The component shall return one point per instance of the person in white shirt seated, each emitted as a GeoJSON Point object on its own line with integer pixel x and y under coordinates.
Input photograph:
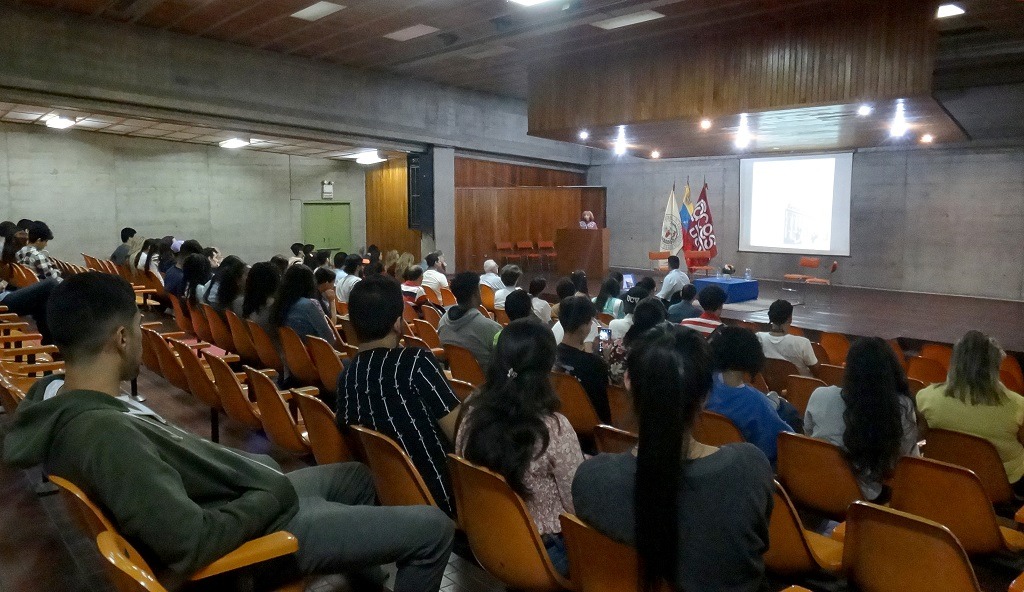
{"type": "Point", "coordinates": [491, 277]}
{"type": "Point", "coordinates": [674, 280]}
{"type": "Point", "coordinates": [541, 307]}
{"type": "Point", "coordinates": [619, 327]}
{"type": "Point", "coordinates": [433, 276]}
{"type": "Point", "coordinates": [778, 344]}
{"type": "Point", "coordinates": [343, 284]}
{"type": "Point", "coordinates": [510, 275]}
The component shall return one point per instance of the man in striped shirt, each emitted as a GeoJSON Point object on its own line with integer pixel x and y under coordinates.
{"type": "Point", "coordinates": [398, 391]}
{"type": "Point", "coordinates": [711, 299]}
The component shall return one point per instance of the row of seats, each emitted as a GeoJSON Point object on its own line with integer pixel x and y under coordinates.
{"type": "Point", "coordinates": [525, 253]}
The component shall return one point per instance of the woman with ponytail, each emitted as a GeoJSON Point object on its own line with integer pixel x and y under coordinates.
{"type": "Point", "coordinates": [697, 514]}
{"type": "Point", "coordinates": [512, 426]}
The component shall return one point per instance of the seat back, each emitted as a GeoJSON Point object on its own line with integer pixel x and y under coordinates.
{"type": "Point", "coordinates": [126, 568]}
{"type": "Point", "coordinates": [87, 516]}
{"type": "Point", "coordinates": [234, 399]}
{"type": "Point", "coordinates": [926, 370]}
{"type": "Point", "coordinates": [915, 385]}
{"type": "Point", "coordinates": [218, 328]}
{"type": "Point", "coordinates": [974, 453]}
{"type": "Point", "coordinates": [265, 348]}
{"type": "Point", "coordinates": [500, 529]}
{"type": "Point", "coordinates": [939, 352]}
{"type": "Point", "coordinates": [149, 357]}
{"type": "Point", "coordinates": [897, 349]}
{"type": "Point", "coordinates": [776, 373]}
{"type": "Point", "coordinates": [461, 388]}
{"type": "Point", "coordinates": [327, 442]}
{"type": "Point", "coordinates": [810, 262]}
{"type": "Point", "coordinates": [327, 361]}
{"type": "Point", "coordinates": [447, 297]}
{"type": "Point", "coordinates": [463, 365]}
{"type": "Point", "coordinates": [610, 439]}
{"type": "Point", "coordinates": [241, 339]}
{"type": "Point", "coordinates": [576, 406]}
{"type": "Point", "coordinates": [487, 296]}
{"type": "Point", "coordinates": [200, 326]}
{"type": "Point", "coordinates": [180, 318]}
{"type": "Point", "coordinates": [427, 333]}
{"type": "Point", "coordinates": [837, 346]}
{"type": "Point", "coordinates": [199, 383]}
{"type": "Point", "coordinates": [170, 366]}
{"type": "Point", "coordinates": [599, 563]}
{"type": "Point", "coordinates": [830, 374]}
{"type": "Point", "coordinates": [788, 550]}
{"type": "Point", "coordinates": [546, 244]}
{"type": "Point", "coordinates": [715, 429]}
{"type": "Point", "coordinates": [888, 550]}
{"type": "Point", "coordinates": [820, 353]}
{"type": "Point", "coordinates": [296, 357]}
{"type": "Point", "coordinates": [950, 495]}
{"type": "Point", "coordinates": [397, 481]}
{"type": "Point", "coordinates": [430, 315]}
{"type": "Point", "coordinates": [501, 317]}
{"type": "Point", "coordinates": [799, 390]}
{"type": "Point", "coordinates": [278, 422]}
{"type": "Point", "coordinates": [1011, 374]}
{"type": "Point", "coordinates": [816, 474]}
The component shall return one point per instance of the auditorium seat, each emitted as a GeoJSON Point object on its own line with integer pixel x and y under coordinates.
{"type": "Point", "coordinates": [218, 328]}
{"type": "Point", "coordinates": [430, 315]}
{"type": "Point", "coordinates": [604, 318]}
{"type": "Point", "coordinates": [396, 479]}
{"type": "Point", "coordinates": [926, 370]}
{"type": "Point", "coordinates": [898, 350]}
{"type": "Point", "coordinates": [297, 359]}
{"type": "Point", "coordinates": [241, 339]}
{"type": "Point", "coordinates": [715, 429]}
{"type": "Point", "coordinates": [576, 406]}
{"type": "Point", "coordinates": [820, 353]}
{"type": "Point", "coordinates": [180, 318]}
{"type": "Point", "coordinates": [776, 374]}
{"type": "Point", "coordinates": [282, 428]}
{"type": "Point", "coordinates": [487, 296]}
{"type": "Point", "coordinates": [234, 396]}
{"type": "Point", "coordinates": [937, 351]}
{"type": "Point", "coordinates": [837, 346]}
{"type": "Point", "coordinates": [793, 550]}
{"type": "Point", "coordinates": [1011, 375]}
{"type": "Point", "coordinates": [199, 324]}
{"type": "Point", "coordinates": [830, 374]}
{"type": "Point", "coordinates": [501, 317]}
{"type": "Point", "coordinates": [528, 252]}
{"type": "Point", "coordinates": [463, 365]}
{"type": "Point", "coordinates": [506, 253]}
{"type": "Point", "coordinates": [620, 402]}
{"type": "Point", "coordinates": [326, 360]}
{"type": "Point", "coordinates": [447, 298]}
{"type": "Point", "coordinates": [915, 385]}
{"type": "Point", "coordinates": [611, 439]}
{"type": "Point", "coordinates": [659, 259]}
{"type": "Point", "coordinates": [200, 384]}
{"type": "Point", "coordinates": [598, 563]}
{"type": "Point", "coordinates": [461, 388]}
{"type": "Point", "coordinates": [974, 453]}
{"type": "Point", "coordinates": [955, 498]}
{"type": "Point", "coordinates": [265, 348]}
{"type": "Point", "coordinates": [799, 390]}
{"type": "Point", "coordinates": [816, 475]}
{"type": "Point", "coordinates": [428, 334]}
{"type": "Point", "coordinates": [501, 532]}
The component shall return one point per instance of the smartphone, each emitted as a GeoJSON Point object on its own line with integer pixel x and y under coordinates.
{"type": "Point", "coordinates": [604, 339]}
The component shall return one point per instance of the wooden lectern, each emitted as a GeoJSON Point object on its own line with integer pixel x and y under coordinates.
{"type": "Point", "coordinates": [579, 248]}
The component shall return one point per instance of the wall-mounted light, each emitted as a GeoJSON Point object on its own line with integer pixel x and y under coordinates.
{"type": "Point", "coordinates": [927, 139]}
{"type": "Point", "coordinates": [234, 143]}
{"type": "Point", "coordinates": [369, 157]}
{"type": "Point", "coordinates": [58, 122]}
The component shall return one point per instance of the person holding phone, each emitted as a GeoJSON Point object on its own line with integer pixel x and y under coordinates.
{"type": "Point", "coordinates": [648, 313]}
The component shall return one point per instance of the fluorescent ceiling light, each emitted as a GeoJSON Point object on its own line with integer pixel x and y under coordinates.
{"type": "Point", "coordinates": [743, 136]}
{"type": "Point", "coordinates": [58, 122]}
{"type": "Point", "coordinates": [899, 122]}
{"type": "Point", "coordinates": [369, 157]}
{"type": "Point", "coordinates": [620, 142]}
{"type": "Point", "coordinates": [864, 110]}
{"type": "Point", "coordinates": [529, 2]}
{"type": "Point", "coordinates": [412, 32]}
{"type": "Point", "coordinates": [317, 11]}
{"type": "Point", "coordinates": [628, 19]}
{"type": "Point", "coordinates": [948, 10]}
{"type": "Point", "coordinates": [234, 143]}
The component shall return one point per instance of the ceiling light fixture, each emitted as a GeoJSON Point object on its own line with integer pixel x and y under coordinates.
{"type": "Point", "coordinates": [529, 2]}
{"type": "Point", "coordinates": [705, 124]}
{"type": "Point", "coordinates": [620, 142]}
{"type": "Point", "coordinates": [584, 135]}
{"type": "Point", "coordinates": [743, 136]}
{"type": "Point", "coordinates": [412, 32]}
{"type": "Point", "coordinates": [927, 139]}
{"type": "Point", "coordinates": [234, 143]}
{"type": "Point", "coordinates": [948, 10]}
{"type": "Point", "coordinates": [317, 11]}
{"type": "Point", "coordinates": [626, 20]}
{"type": "Point", "coordinates": [655, 154]}
{"type": "Point", "coordinates": [369, 157]}
{"type": "Point", "coordinates": [58, 122]}
{"type": "Point", "coordinates": [864, 110]}
{"type": "Point", "coordinates": [899, 122]}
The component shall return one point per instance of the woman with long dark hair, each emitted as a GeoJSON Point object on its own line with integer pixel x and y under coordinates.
{"type": "Point", "coordinates": [648, 313]}
{"type": "Point", "coordinates": [871, 417]}
{"type": "Point", "coordinates": [226, 288]}
{"type": "Point", "coordinates": [148, 259]}
{"type": "Point", "coordinates": [607, 300]}
{"type": "Point", "coordinates": [195, 272]}
{"type": "Point", "coordinates": [297, 305]}
{"type": "Point", "coordinates": [697, 514]}
{"type": "Point", "coordinates": [512, 426]}
{"type": "Point", "coordinates": [261, 283]}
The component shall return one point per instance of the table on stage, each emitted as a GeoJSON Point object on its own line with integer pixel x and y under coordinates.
{"type": "Point", "coordinates": [579, 248]}
{"type": "Point", "coordinates": [738, 289]}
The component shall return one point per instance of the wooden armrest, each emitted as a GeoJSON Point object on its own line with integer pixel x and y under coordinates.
{"type": "Point", "coordinates": [30, 370]}
{"type": "Point", "coordinates": [3, 308]}
{"type": "Point", "coordinates": [312, 391]}
{"type": "Point", "coordinates": [1019, 516]}
{"type": "Point", "coordinates": [199, 345]}
{"type": "Point", "coordinates": [271, 546]}
{"type": "Point", "coordinates": [13, 326]}
{"type": "Point", "coordinates": [27, 351]}
{"type": "Point", "coordinates": [231, 358]}
{"type": "Point", "coordinates": [1017, 585]}
{"type": "Point", "coordinates": [144, 291]}
{"type": "Point", "coordinates": [20, 337]}
{"type": "Point", "coordinates": [172, 334]}
{"type": "Point", "coordinates": [269, 372]}
{"type": "Point", "coordinates": [154, 325]}
{"type": "Point", "coordinates": [9, 316]}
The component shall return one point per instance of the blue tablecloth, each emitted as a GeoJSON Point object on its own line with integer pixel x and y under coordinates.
{"type": "Point", "coordinates": [738, 289]}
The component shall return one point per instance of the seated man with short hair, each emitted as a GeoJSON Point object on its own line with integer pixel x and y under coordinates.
{"type": "Point", "coordinates": [120, 254]}
{"type": "Point", "coordinates": [685, 308]}
{"type": "Point", "coordinates": [490, 276]}
{"type": "Point", "coordinates": [34, 256]}
{"type": "Point", "coordinates": [778, 344]}
{"type": "Point", "coordinates": [711, 299]}
{"type": "Point", "coordinates": [434, 277]}
{"type": "Point", "coordinates": [510, 275]}
{"type": "Point", "coordinates": [576, 318]}
{"type": "Point", "coordinates": [185, 501]}
{"type": "Point", "coordinates": [398, 391]}
{"type": "Point", "coordinates": [674, 280]}
{"type": "Point", "coordinates": [344, 283]}
{"type": "Point", "coordinates": [464, 325]}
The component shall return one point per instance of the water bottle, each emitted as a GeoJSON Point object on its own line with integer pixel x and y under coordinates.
{"type": "Point", "coordinates": [747, 275]}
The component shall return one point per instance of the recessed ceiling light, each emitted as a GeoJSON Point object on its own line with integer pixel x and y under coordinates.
{"type": "Point", "coordinates": [58, 122]}
{"type": "Point", "coordinates": [705, 124]}
{"type": "Point", "coordinates": [234, 143]}
{"type": "Point", "coordinates": [948, 10]}
{"type": "Point", "coordinates": [529, 2]}
{"type": "Point", "coordinates": [412, 32]}
{"type": "Point", "coordinates": [927, 139]}
{"type": "Point", "coordinates": [655, 154]}
{"type": "Point", "coordinates": [864, 110]}
{"type": "Point", "coordinates": [584, 135]}
{"type": "Point", "coordinates": [369, 157]}
{"type": "Point", "coordinates": [317, 11]}
{"type": "Point", "coordinates": [626, 20]}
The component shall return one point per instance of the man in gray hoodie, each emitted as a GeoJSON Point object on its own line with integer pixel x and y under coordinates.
{"type": "Point", "coordinates": [464, 325]}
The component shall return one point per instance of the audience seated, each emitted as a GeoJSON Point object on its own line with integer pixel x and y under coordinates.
{"type": "Point", "coordinates": [297, 254]}
{"type": "Point", "coordinates": [674, 280]}
{"type": "Point", "coordinates": [871, 417]}
{"type": "Point", "coordinates": [590, 369]}
{"type": "Point", "coordinates": [167, 253]}
{"type": "Point", "coordinates": [685, 308]}
{"type": "Point", "coordinates": [400, 392]}
{"type": "Point", "coordinates": [433, 276]}
{"type": "Point", "coordinates": [563, 289]}
{"type": "Point", "coordinates": [226, 287]}
{"type": "Point", "coordinates": [297, 305]}
{"type": "Point", "coordinates": [120, 254]}
{"type": "Point", "coordinates": [405, 263]}
{"type": "Point", "coordinates": [324, 278]}
{"type": "Point", "coordinates": [185, 500]}
{"type": "Point", "coordinates": [541, 307]}
{"type": "Point", "coordinates": [34, 256]}
{"type": "Point", "coordinates": [27, 301]}
{"type": "Point", "coordinates": [412, 289]}
{"type": "Point", "coordinates": [778, 344]}
{"type": "Point", "coordinates": [491, 277]}
{"type": "Point", "coordinates": [648, 313]}
{"type": "Point", "coordinates": [579, 279]}
{"type": "Point", "coordinates": [738, 358]}
{"type": "Point", "coordinates": [648, 283]}
{"type": "Point", "coordinates": [633, 297]}
{"type": "Point", "coordinates": [148, 258]}
{"type": "Point", "coordinates": [698, 515]}
{"type": "Point", "coordinates": [711, 299]}
{"type": "Point", "coordinates": [512, 426]}
{"type": "Point", "coordinates": [261, 283]}
{"type": "Point", "coordinates": [174, 278]}
{"type": "Point", "coordinates": [345, 281]}
{"type": "Point", "coordinates": [213, 254]}
{"type": "Point", "coordinates": [974, 401]}
{"type": "Point", "coordinates": [464, 325]}
{"type": "Point", "coordinates": [518, 305]}
{"type": "Point", "coordinates": [510, 275]}
{"type": "Point", "coordinates": [280, 262]}
{"type": "Point", "coordinates": [607, 300]}
{"type": "Point", "coordinates": [196, 274]}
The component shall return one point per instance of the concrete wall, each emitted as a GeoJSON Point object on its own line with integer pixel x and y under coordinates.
{"type": "Point", "coordinates": [88, 185]}
{"type": "Point", "coordinates": [941, 221]}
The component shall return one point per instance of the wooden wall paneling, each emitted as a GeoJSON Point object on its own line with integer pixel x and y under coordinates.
{"type": "Point", "coordinates": [470, 172]}
{"type": "Point", "coordinates": [387, 208]}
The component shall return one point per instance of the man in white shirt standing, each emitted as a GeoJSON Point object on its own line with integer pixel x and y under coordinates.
{"type": "Point", "coordinates": [434, 277]}
{"type": "Point", "coordinates": [491, 277]}
{"type": "Point", "coordinates": [778, 344]}
{"type": "Point", "coordinates": [674, 280]}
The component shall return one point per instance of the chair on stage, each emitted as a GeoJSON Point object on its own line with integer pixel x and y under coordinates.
{"type": "Point", "coordinates": [530, 255]}
{"type": "Point", "coordinates": [659, 259]}
{"type": "Point", "coordinates": [548, 253]}
{"type": "Point", "coordinates": [698, 261]}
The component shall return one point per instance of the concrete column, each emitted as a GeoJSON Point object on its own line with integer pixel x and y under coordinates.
{"type": "Point", "coordinates": [444, 206]}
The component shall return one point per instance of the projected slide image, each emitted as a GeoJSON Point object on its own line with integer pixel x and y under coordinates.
{"type": "Point", "coordinates": [791, 204]}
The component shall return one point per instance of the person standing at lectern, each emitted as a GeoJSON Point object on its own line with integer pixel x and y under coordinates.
{"type": "Point", "coordinates": [587, 220]}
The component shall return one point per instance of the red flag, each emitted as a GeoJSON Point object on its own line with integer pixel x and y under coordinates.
{"type": "Point", "coordinates": [701, 233]}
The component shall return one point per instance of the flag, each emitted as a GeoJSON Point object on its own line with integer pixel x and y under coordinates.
{"type": "Point", "coordinates": [686, 217]}
{"type": "Point", "coordinates": [702, 228]}
{"type": "Point", "coordinates": [671, 226]}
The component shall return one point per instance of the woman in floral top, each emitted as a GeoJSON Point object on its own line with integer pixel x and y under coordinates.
{"type": "Point", "coordinates": [512, 426]}
{"type": "Point", "coordinates": [648, 313]}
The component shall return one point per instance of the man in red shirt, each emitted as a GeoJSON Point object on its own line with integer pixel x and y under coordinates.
{"type": "Point", "coordinates": [711, 299]}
